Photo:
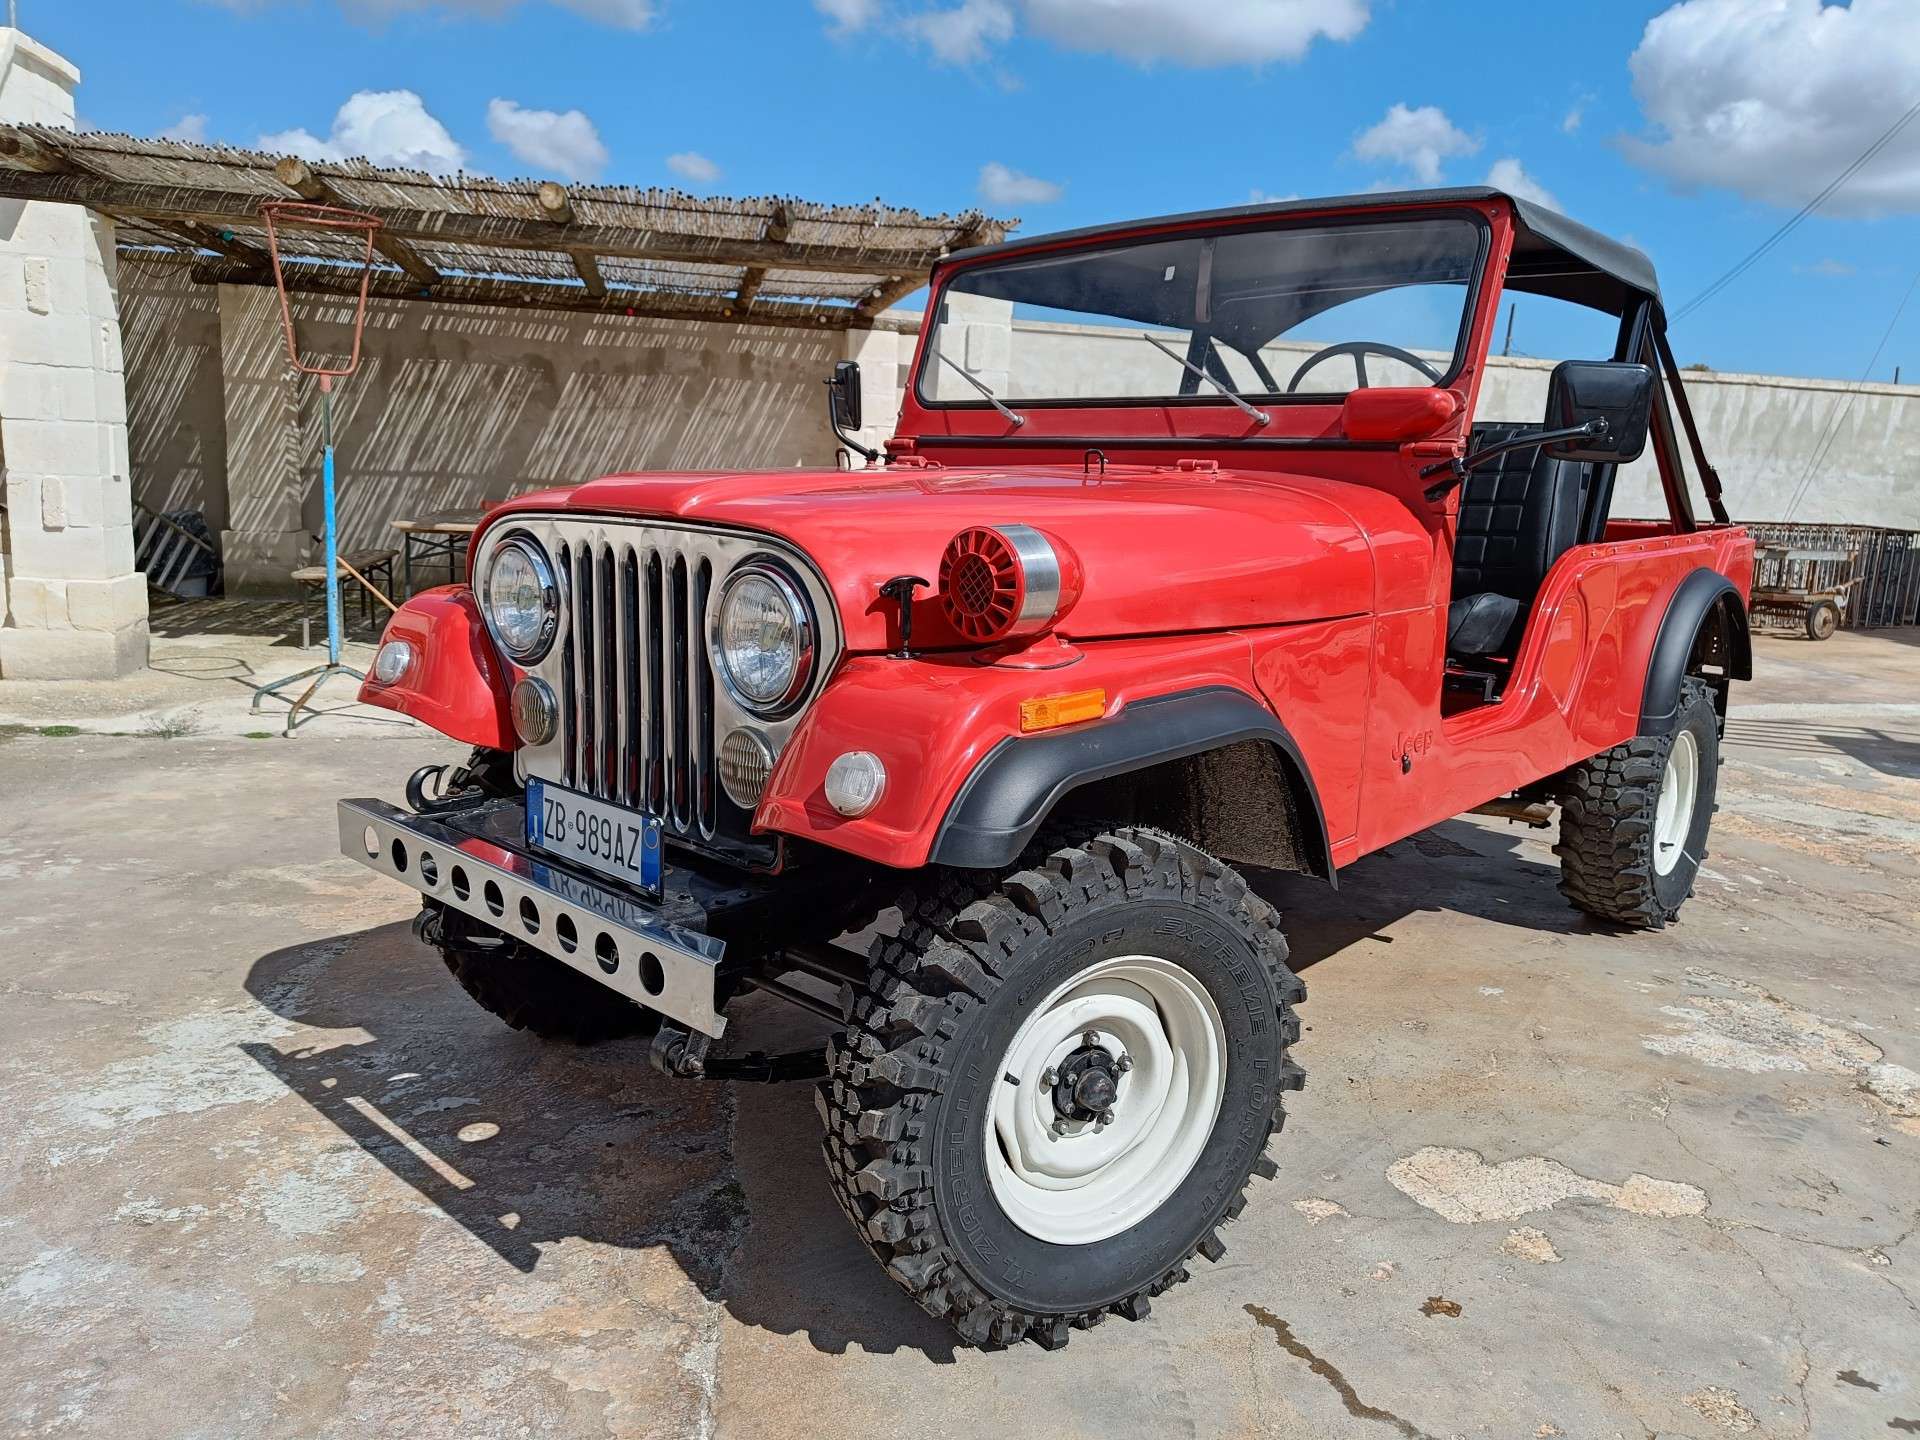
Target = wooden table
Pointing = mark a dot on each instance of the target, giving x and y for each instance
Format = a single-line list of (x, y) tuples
[(447, 532)]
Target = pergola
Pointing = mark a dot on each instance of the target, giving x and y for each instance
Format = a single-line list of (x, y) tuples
[(475, 240)]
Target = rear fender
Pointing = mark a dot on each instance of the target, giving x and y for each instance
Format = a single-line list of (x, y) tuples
[(457, 683), (1705, 624)]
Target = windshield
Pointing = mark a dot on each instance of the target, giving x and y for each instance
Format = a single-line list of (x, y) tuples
[(1309, 311)]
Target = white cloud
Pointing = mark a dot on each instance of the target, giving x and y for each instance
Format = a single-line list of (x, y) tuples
[(1420, 140), (1829, 268), (625, 14), (1199, 33), (192, 128), (1000, 185), (1773, 100), (1574, 116), (849, 16), (561, 142), (1266, 197), (388, 127), (692, 165), (963, 36), (1510, 175)]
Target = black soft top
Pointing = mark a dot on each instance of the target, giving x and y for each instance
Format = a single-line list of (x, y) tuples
[(1552, 255)]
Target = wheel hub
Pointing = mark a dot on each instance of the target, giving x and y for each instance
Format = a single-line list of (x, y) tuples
[(1087, 1083)]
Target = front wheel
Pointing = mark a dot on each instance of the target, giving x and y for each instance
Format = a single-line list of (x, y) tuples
[(1049, 1099), (1634, 819)]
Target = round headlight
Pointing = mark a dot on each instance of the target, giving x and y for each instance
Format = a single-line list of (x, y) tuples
[(521, 599), (762, 638)]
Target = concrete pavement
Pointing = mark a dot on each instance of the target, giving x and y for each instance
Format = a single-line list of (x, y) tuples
[(267, 1172)]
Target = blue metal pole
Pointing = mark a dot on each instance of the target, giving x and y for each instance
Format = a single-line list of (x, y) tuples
[(326, 493)]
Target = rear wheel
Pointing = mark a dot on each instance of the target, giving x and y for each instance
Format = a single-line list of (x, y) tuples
[(1049, 1099), (529, 990), (1634, 819)]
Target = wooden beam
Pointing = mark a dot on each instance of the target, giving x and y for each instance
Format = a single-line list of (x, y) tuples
[(44, 159), (218, 208), (297, 176), (303, 278), (779, 226), (892, 289), (554, 204)]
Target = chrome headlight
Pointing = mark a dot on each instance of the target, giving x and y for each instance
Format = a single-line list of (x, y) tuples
[(521, 598), (762, 638)]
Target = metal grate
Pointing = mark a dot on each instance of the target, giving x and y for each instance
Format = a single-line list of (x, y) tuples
[(636, 686)]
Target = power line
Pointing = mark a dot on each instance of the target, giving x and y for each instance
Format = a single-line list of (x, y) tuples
[(1832, 433), (1759, 252)]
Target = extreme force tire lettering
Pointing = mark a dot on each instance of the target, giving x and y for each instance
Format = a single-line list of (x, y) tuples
[(1611, 813), (911, 1083)]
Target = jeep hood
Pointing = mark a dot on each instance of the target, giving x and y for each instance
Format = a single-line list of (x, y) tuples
[(1161, 549)]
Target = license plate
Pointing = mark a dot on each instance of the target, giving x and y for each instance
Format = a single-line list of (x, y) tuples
[(609, 838)]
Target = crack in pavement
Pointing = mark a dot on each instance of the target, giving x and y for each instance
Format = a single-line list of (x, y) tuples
[(1356, 1407)]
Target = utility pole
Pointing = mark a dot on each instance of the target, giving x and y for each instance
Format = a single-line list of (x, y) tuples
[(1506, 349)]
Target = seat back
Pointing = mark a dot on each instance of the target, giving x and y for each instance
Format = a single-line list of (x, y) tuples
[(1518, 514)]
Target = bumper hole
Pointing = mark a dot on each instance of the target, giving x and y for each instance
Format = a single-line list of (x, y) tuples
[(652, 978), (564, 932), (399, 857), (462, 887), (529, 915), (607, 953), (495, 902), (371, 839), (429, 868)]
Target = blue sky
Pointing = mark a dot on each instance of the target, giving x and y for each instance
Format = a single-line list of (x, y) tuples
[(1691, 128)]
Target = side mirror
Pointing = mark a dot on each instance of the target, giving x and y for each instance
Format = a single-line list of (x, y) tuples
[(1611, 398), (843, 395)]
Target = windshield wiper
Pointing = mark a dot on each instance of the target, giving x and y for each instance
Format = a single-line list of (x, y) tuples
[(1260, 417), (965, 374)]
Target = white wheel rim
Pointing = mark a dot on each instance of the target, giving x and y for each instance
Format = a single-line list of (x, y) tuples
[(1673, 813), (1082, 1181)]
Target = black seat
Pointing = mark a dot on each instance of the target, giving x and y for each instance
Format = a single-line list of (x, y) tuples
[(1518, 514)]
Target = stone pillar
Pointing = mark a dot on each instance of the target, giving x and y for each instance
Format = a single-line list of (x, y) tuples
[(75, 607), (267, 535)]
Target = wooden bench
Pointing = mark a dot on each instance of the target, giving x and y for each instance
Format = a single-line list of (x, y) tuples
[(376, 565)]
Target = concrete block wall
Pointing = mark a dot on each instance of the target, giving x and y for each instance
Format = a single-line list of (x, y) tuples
[(75, 607)]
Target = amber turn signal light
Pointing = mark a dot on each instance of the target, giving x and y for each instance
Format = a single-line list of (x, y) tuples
[(1050, 712)]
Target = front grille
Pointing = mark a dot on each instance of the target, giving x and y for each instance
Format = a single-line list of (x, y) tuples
[(641, 712), (637, 688)]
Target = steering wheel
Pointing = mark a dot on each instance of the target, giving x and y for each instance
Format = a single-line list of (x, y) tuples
[(1360, 349)]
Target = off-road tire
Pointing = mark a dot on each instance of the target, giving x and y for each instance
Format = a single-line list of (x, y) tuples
[(1607, 812), (907, 1086), (529, 990)]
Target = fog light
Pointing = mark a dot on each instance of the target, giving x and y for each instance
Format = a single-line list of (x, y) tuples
[(855, 782), (536, 715), (393, 662), (746, 760)]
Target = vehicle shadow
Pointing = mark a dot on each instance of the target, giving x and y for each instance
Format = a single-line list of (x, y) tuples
[(525, 1144)]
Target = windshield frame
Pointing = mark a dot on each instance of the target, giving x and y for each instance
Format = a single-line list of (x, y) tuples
[(927, 355)]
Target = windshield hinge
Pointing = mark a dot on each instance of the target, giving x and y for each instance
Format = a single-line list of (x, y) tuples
[(1195, 466)]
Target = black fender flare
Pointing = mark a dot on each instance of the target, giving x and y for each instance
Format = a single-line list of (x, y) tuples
[(1694, 599), (1015, 787)]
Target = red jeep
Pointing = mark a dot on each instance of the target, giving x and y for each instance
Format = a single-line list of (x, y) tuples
[(1160, 577)]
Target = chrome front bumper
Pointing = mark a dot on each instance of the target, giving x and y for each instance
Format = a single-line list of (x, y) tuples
[(607, 936)]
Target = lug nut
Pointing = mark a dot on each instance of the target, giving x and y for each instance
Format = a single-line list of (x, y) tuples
[(1091, 1039), (1059, 1127), (1103, 1119), (1124, 1063), (1051, 1077)]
